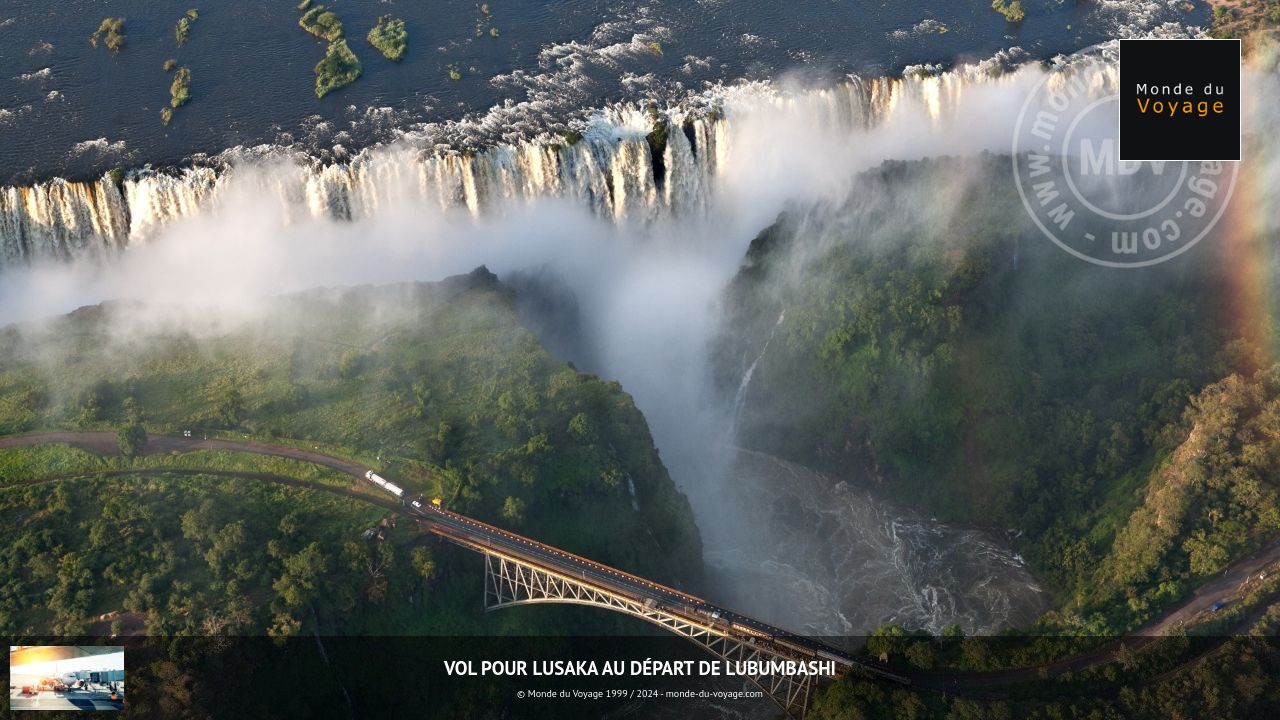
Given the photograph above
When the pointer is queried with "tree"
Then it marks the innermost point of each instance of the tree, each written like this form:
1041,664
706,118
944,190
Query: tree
132,439
349,364
302,570
922,654
886,641
227,544
513,510
231,407
1206,556
423,563
580,426
94,403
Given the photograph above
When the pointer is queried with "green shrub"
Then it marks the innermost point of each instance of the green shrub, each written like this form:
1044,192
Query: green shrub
321,23
339,68
132,439
111,31
180,90
390,37
1012,12
183,28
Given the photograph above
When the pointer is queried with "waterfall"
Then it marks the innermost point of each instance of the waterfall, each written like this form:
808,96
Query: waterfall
631,488
740,398
61,219
610,167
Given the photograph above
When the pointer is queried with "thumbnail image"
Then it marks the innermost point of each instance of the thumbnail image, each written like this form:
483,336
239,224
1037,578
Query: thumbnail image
66,677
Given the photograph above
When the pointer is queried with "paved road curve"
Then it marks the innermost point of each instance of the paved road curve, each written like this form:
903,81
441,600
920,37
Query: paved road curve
479,535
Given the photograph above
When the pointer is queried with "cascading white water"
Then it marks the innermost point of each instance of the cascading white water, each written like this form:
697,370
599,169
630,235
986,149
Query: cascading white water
62,220
740,398
653,250
611,169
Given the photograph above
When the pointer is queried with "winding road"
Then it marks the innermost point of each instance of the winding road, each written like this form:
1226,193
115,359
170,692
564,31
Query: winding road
1224,586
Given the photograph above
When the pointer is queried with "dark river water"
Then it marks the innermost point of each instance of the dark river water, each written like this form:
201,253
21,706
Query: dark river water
67,108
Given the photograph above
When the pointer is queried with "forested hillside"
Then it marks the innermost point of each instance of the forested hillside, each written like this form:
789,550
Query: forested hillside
962,362
437,386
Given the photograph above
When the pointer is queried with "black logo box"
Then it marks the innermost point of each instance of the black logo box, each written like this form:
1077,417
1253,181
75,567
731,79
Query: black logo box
1193,64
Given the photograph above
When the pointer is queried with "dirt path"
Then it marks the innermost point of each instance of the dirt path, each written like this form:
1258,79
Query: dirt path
104,442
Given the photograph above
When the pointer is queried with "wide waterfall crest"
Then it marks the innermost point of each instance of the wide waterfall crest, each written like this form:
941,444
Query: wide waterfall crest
628,164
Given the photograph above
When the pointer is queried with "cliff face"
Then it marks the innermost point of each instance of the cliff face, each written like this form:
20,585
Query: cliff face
918,332
437,385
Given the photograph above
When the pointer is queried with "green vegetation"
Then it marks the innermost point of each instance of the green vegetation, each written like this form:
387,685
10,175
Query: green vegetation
657,139
454,74
170,64
132,439
111,32
1126,425
339,67
1247,19
166,115
180,88
183,28
322,23
1168,680
390,37
183,556
994,379
1211,499
1012,11
304,4
438,386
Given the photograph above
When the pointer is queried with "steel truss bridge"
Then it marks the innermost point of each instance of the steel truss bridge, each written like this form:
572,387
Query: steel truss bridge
522,571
